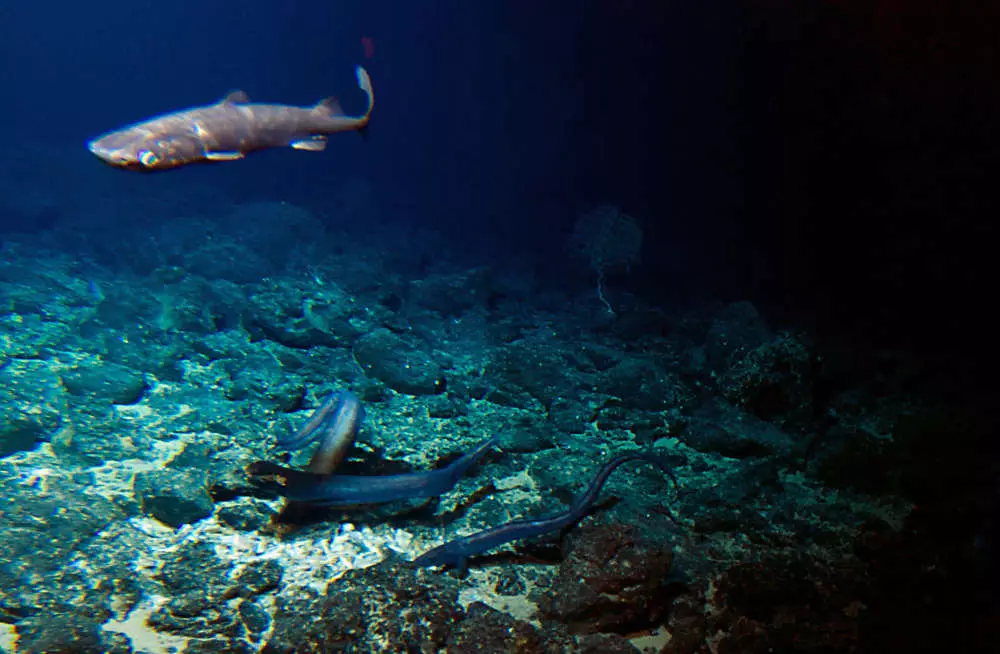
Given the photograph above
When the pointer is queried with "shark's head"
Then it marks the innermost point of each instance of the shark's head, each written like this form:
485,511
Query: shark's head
143,147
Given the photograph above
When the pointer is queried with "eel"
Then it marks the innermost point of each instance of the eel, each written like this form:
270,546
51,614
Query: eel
455,553
335,424
353,490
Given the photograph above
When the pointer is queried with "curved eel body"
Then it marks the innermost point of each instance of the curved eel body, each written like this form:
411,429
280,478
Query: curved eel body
352,490
335,425
457,552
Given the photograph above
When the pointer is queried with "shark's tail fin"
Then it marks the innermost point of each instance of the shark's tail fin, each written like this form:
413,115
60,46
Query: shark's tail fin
365,84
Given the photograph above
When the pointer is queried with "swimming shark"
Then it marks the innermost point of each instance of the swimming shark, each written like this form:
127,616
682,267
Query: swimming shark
227,131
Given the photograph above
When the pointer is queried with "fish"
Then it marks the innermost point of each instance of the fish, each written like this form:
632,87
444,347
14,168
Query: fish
336,490
227,131
456,553
335,424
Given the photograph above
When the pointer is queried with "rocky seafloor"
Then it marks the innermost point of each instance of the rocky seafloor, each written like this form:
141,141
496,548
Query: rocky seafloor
140,375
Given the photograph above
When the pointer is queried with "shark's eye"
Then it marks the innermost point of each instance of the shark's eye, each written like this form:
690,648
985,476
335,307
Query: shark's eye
148,158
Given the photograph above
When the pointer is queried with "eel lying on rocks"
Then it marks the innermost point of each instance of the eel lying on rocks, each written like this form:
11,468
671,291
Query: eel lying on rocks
457,552
335,425
353,490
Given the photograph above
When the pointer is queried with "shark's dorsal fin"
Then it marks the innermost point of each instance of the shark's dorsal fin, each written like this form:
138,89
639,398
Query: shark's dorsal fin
329,107
236,97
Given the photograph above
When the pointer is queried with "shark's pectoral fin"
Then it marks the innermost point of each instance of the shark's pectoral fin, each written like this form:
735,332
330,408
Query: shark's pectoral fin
223,156
313,144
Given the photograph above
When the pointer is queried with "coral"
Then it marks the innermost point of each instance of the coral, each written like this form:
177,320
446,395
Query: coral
609,239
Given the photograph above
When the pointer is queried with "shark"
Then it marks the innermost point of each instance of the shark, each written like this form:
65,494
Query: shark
227,131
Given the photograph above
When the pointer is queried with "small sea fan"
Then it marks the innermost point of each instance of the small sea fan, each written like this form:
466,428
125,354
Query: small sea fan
608,238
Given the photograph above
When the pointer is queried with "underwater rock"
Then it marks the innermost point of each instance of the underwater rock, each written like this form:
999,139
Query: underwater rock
644,385
783,604
485,629
174,497
69,631
610,581
208,602
267,386
544,370
107,381
773,381
738,328
246,515
570,416
724,429
303,317
446,406
63,520
19,434
93,437
397,364
386,608
452,295
225,260
31,404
